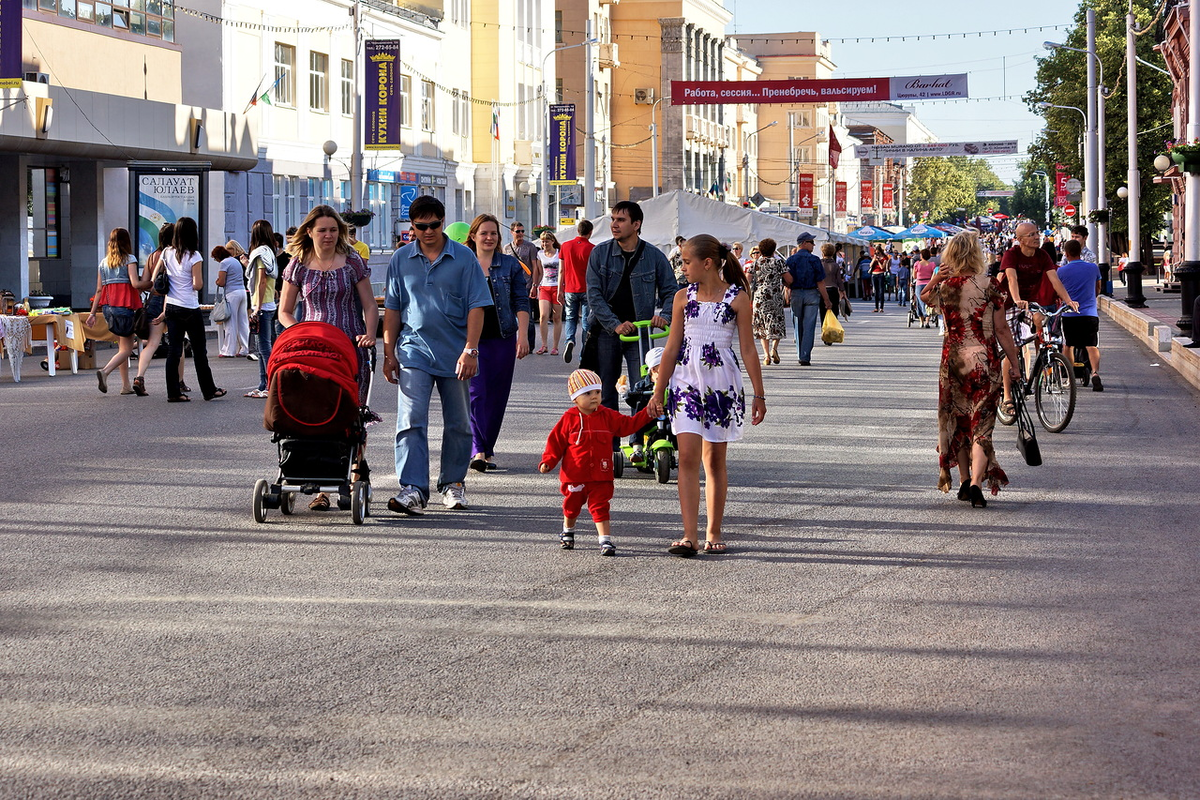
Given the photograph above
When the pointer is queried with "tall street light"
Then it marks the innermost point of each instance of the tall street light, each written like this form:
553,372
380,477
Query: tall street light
746,157
1094,186
544,194
1046,186
1087,149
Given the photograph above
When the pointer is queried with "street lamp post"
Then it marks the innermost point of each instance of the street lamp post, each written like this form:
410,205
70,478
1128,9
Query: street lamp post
746,157
654,149
1189,274
1046,186
1088,152
544,194
1133,180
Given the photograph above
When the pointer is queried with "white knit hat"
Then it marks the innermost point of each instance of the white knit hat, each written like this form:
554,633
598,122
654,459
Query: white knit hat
654,356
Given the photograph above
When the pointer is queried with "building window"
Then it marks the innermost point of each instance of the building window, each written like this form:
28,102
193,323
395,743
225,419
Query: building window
285,75
42,203
379,200
318,81
347,87
558,25
427,105
406,100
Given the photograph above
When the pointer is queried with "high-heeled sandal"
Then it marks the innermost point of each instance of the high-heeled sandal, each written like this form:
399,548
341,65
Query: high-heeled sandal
964,491
139,387
977,498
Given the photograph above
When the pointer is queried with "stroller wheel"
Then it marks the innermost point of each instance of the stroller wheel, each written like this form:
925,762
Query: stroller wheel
618,463
287,502
360,502
261,488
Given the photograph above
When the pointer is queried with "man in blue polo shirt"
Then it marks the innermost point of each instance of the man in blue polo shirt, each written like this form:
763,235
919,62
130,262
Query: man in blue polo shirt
806,277
432,319
1081,279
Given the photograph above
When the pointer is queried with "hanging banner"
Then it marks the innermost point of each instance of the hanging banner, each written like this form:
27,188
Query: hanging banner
381,97
888,201
839,198
919,149
804,196
11,73
1060,185
921,87
562,144
866,196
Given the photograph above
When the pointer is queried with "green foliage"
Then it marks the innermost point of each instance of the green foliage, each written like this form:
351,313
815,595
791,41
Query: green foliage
941,186
1062,80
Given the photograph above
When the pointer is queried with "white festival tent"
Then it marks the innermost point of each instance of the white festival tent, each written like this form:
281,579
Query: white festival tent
680,213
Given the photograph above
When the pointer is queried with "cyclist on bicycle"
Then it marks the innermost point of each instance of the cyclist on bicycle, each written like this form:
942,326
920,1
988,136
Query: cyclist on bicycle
1030,275
1083,282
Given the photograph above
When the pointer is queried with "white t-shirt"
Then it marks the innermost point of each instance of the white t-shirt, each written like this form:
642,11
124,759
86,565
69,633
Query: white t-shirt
180,278
550,264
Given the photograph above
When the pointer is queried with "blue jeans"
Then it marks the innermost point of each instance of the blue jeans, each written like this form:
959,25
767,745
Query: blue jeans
412,429
806,306
575,308
265,338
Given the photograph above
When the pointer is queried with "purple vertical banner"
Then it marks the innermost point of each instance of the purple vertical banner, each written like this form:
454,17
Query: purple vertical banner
562,144
381,94
10,44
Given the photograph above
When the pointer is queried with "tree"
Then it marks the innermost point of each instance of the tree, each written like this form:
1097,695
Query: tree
1061,80
941,186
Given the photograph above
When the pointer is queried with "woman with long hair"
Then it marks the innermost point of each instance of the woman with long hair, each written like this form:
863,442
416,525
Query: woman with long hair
334,282
185,272
548,292
880,265
499,344
969,380
117,292
264,271
155,303
767,302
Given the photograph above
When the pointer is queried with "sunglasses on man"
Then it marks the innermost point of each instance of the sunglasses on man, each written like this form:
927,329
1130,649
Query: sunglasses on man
426,226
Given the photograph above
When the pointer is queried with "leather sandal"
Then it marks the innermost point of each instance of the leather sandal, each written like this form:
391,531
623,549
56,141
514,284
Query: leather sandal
683,547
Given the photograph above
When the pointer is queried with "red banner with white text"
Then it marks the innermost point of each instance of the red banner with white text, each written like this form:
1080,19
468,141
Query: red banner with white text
889,203
866,196
804,196
914,87
839,198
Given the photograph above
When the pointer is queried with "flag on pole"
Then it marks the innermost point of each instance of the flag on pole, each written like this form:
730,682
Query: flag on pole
260,96
495,123
835,148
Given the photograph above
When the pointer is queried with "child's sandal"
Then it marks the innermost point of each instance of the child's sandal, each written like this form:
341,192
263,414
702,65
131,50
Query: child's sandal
567,540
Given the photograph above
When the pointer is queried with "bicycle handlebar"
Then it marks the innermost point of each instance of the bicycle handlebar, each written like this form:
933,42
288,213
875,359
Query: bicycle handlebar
1040,309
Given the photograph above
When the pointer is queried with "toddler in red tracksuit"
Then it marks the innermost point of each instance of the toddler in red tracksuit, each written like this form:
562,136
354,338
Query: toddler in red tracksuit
583,440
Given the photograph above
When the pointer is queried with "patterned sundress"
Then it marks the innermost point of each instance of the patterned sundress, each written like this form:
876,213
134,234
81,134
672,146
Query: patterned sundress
705,393
329,296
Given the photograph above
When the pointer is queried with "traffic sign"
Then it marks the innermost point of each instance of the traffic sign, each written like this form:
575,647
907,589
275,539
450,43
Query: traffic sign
1073,185
1069,210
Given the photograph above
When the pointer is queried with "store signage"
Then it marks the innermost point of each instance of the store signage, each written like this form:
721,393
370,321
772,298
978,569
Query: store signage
390,176
432,180
997,193
920,149
11,70
889,203
381,96
163,194
561,145
839,198
1060,185
866,196
921,87
805,193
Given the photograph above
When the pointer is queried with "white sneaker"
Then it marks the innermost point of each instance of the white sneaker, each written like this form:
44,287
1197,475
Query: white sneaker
408,501
454,496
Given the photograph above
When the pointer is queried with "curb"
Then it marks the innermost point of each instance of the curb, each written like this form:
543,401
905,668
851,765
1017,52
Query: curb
1156,336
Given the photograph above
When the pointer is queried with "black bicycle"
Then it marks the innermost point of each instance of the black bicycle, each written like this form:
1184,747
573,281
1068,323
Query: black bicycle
1050,378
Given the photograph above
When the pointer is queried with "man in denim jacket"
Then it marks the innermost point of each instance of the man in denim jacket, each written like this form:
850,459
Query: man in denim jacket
627,280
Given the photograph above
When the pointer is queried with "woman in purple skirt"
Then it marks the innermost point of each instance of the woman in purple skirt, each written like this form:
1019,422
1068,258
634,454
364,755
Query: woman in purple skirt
499,345
335,285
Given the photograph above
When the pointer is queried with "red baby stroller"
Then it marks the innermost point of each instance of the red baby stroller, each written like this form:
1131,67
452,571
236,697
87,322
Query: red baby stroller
312,408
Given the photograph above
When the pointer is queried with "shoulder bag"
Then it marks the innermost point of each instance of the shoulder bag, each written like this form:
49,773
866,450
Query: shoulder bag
220,312
1027,442
162,283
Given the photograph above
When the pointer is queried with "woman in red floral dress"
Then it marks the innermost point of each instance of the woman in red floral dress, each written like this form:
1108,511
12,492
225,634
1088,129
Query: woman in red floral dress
969,381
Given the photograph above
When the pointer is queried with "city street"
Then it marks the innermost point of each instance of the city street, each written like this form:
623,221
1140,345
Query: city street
866,636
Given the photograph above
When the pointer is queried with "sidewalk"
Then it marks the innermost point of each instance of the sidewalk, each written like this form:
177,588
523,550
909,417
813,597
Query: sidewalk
1155,327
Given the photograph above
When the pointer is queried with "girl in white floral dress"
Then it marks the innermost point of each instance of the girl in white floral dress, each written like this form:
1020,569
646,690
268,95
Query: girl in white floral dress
700,382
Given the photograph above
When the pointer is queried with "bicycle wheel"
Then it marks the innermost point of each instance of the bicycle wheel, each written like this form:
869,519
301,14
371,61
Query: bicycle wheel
1002,416
1055,392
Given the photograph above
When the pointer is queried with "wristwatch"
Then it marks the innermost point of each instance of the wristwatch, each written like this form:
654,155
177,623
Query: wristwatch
473,352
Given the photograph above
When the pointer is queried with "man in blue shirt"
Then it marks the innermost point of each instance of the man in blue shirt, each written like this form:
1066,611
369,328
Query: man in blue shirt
432,319
1082,281
805,277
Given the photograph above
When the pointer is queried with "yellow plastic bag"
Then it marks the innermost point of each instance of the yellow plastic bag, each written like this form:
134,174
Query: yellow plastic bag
832,330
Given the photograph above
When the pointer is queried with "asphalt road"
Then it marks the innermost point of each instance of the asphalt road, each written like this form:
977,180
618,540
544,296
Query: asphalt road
866,636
